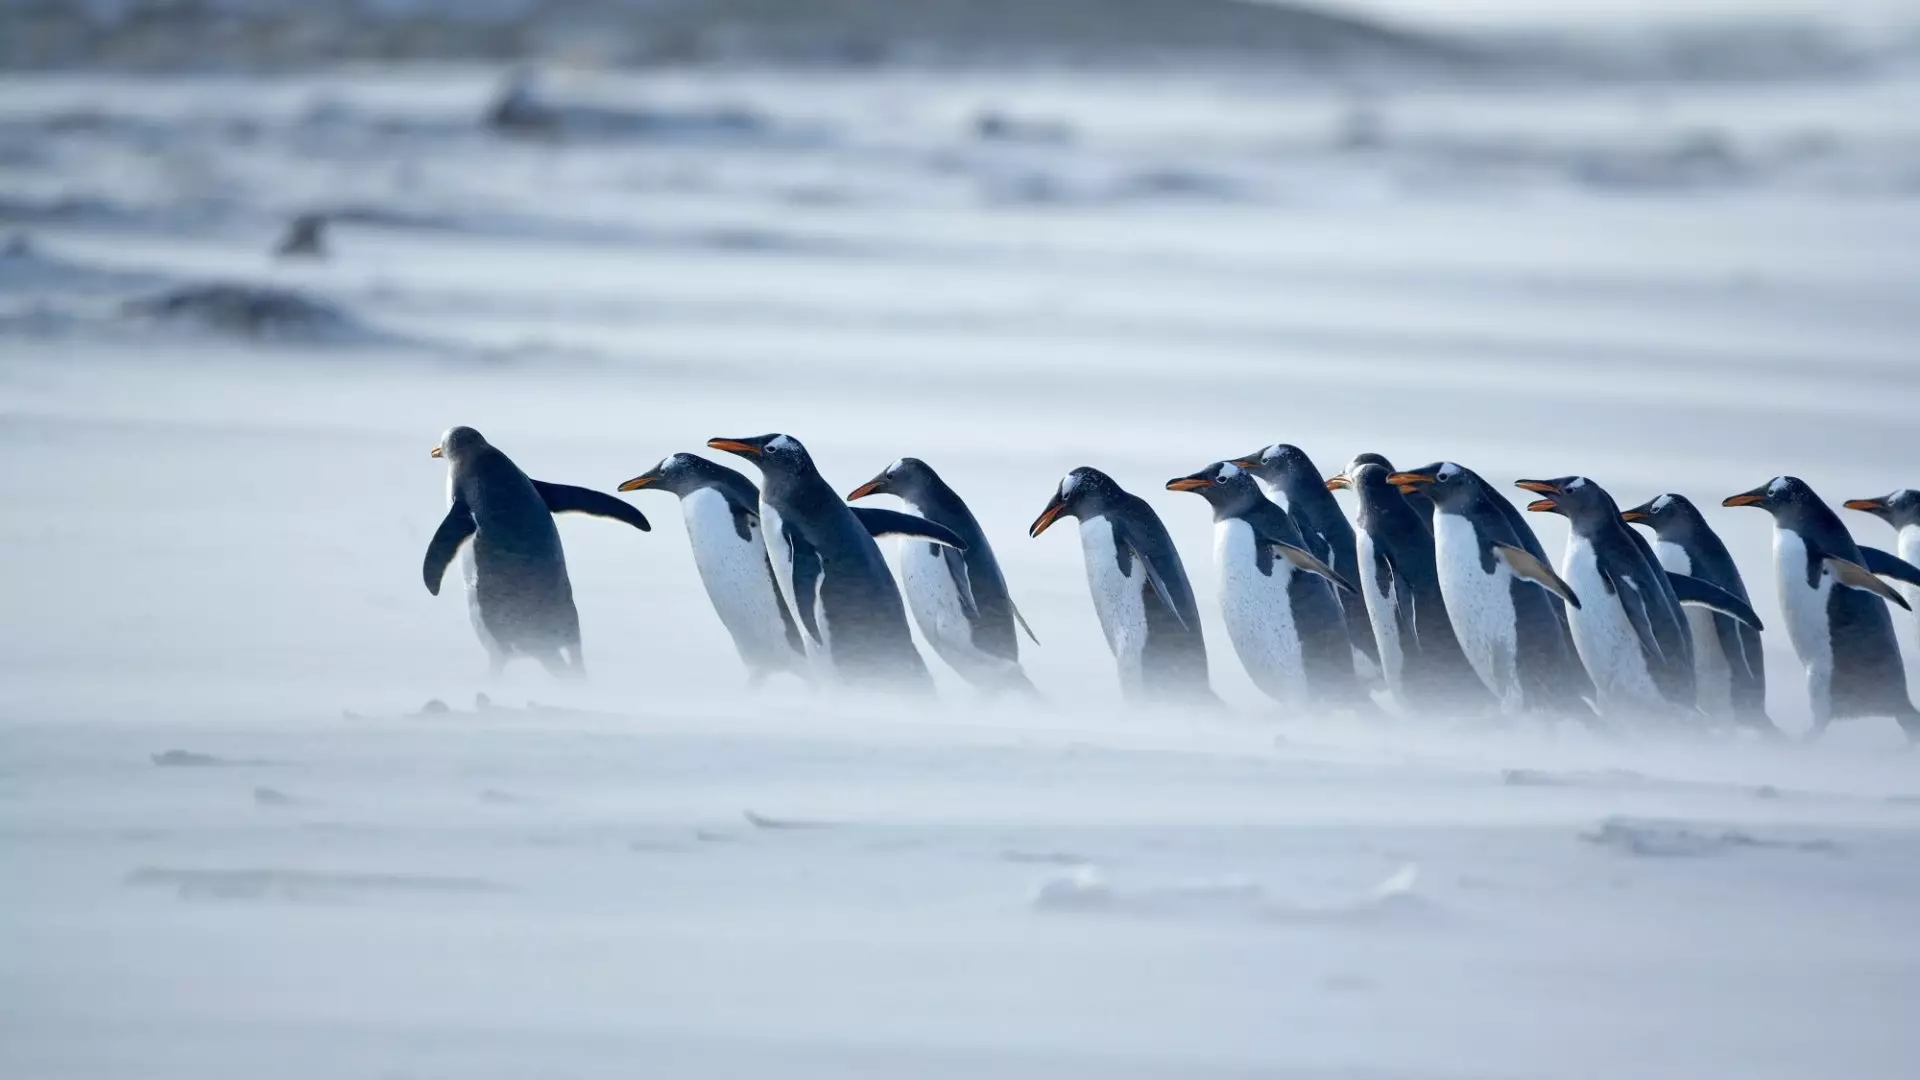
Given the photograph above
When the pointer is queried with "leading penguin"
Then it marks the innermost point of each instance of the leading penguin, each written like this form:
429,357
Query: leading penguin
722,512
1497,594
958,598
1901,509
1300,490
1422,659
1836,608
1277,598
1729,664
1629,629
1140,589
831,572
518,593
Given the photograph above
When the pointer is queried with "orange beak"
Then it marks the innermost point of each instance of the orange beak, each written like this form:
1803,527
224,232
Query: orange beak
1747,499
1047,517
1540,486
1338,483
864,490
636,483
1632,515
1871,506
1541,506
1188,483
733,446
1409,482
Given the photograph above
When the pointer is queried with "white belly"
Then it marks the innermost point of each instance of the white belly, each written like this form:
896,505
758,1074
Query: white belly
1909,549
1480,606
1382,611
734,572
934,598
775,542
1806,613
1712,671
1117,598
1603,635
1259,614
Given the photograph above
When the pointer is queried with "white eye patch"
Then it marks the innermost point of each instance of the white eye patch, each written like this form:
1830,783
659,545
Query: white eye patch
1447,471
783,442
1227,471
1778,487
1662,503
898,464
1069,484
1577,483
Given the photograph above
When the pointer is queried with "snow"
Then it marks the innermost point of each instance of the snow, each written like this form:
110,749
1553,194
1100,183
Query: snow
256,816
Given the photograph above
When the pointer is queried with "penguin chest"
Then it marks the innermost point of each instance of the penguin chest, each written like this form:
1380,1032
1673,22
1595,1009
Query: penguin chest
1382,601
1603,634
1118,597
774,539
1909,549
1480,606
934,597
1805,607
1258,611
734,573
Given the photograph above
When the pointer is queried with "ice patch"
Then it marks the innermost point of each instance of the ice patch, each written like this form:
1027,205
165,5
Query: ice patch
1676,839
1087,891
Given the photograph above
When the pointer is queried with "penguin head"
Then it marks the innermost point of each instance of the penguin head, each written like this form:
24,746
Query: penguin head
1227,486
1366,475
1899,509
1667,515
679,474
1282,465
458,444
1447,484
1368,459
777,455
1083,493
1787,498
909,478
1576,498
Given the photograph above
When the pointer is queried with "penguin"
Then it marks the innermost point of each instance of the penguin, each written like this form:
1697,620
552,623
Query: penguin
1416,498
1300,490
1901,510
1729,665
1422,659
1836,608
722,512
831,572
1140,589
1276,597
1497,594
518,594
1629,630
958,599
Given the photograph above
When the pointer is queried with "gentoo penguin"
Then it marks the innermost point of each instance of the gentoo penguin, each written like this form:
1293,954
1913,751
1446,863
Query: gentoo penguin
1417,498
1902,511
1277,597
1422,659
1497,595
722,511
1833,603
518,594
959,599
830,571
1729,665
1139,587
1629,629
1301,491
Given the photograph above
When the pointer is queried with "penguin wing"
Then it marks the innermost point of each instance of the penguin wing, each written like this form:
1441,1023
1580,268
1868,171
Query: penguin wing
1130,551
880,523
455,529
1855,576
1694,592
806,581
1634,603
566,499
1303,559
1889,565
1402,593
1022,620
962,581
1524,564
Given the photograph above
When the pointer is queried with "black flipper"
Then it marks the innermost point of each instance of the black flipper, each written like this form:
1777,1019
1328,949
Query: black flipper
1635,605
962,581
894,523
1526,565
1888,565
1022,620
1855,576
1697,593
806,581
1128,549
455,529
1303,559
1402,593
566,499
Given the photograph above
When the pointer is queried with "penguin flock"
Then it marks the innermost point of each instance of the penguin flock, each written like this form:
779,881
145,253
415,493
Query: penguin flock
1435,597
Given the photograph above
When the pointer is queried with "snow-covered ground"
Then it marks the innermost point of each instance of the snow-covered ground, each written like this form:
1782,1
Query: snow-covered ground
233,843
